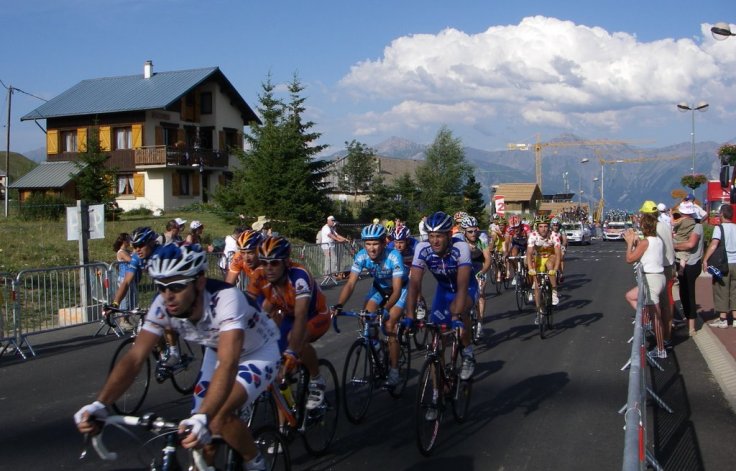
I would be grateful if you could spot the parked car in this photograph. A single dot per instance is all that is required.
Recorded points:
(614, 230)
(577, 233)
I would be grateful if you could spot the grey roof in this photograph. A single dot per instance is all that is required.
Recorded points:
(133, 93)
(47, 175)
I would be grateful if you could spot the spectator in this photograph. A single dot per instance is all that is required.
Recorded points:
(230, 249)
(122, 256)
(423, 234)
(196, 228)
(694, 248)
(171, 236)
(664, 213)
(724, 289)
(329, 237)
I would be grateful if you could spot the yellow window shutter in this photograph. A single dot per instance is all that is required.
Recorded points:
(105, 138)
(221, 138)
(138, 185)
(175, 186)
(82, 140)
(195, 183)
(52, 141)
(159, 136)
(137, 131)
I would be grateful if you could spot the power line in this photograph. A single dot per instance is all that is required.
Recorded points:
(30, 94)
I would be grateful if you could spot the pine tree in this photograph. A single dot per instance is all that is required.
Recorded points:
(95, 182)
(443, 174)
(357, 173)
(473, 199)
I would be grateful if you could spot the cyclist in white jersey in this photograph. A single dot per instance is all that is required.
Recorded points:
(241, 357)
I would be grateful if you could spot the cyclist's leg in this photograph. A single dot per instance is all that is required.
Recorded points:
(550, 265)
(394, 315)
(540, 264)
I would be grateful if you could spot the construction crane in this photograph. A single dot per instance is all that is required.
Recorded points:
(598, 214)
(538, 146)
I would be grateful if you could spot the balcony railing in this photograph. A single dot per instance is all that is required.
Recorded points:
(129, 159)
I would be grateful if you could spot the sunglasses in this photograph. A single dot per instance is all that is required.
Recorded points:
(474, 231)
(174, 286)
(272, 263)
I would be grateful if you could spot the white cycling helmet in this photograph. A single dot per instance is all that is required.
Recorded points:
(173, 260)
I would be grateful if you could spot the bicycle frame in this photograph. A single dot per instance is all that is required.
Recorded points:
(369, 325)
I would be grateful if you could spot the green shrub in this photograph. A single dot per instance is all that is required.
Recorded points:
(140, 211)
(41, 206)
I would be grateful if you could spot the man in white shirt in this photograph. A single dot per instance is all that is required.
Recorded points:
(231, 248)
(423, 234)
(329, 237)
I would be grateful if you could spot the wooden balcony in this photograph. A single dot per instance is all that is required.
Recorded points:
(127, 160)
(122, 159)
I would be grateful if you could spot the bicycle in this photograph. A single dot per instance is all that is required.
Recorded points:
(268, 440)
(498, 269)
(284, 404)
(544, 313)
(521, 285)
(440, 383)
(420, 334)
(183, 375)
(367, 363)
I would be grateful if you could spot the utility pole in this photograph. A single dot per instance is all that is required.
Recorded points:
(7, 152)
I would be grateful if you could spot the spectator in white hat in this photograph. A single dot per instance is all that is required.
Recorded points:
(664, 214)
(690, 250)
(171, 235)
(328, 237)
(196, 229)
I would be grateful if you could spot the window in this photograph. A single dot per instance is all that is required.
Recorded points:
(206, 103)
(231, 139)
(69, 141)
(123, 138)
(125, 184)
(184, 183)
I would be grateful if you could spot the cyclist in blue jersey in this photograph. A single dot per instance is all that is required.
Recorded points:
(389, 287)
(405, 244)
(448, 259)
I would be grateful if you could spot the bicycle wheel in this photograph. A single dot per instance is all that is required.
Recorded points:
(474, 326)
(520, 294)
(420, 338)
(263, 411)
(184, 376)
(133, 397)
(321, 423)
(493, 271)
(497, 271)
(460, 392)
(357, 381)
(428, 409)
(541, 314)
(549, 309)
(505, 278)
(404, 365)
(272, 445)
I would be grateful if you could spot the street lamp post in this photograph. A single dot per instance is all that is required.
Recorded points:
(580, 182)
(721, 31)
(699, 107)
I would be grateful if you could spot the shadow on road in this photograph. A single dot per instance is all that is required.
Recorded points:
(675, 441)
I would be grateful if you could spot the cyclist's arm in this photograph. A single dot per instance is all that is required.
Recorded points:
(123, 288)
(125, 371)
(530, 253)
(229, 347)
(415, 283)
(460, 302)
(232, 277)
(298, 336)
(487, 260)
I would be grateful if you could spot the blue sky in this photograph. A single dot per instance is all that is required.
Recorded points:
(494, 72)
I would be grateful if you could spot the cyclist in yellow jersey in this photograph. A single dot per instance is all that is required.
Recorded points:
(543, 254)
(498, 243)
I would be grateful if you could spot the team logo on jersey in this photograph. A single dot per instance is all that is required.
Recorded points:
(201, 388)
(160, 313)
(213, 303)
(250, 374)
(253, 321)
(301, 285)
(269, 373)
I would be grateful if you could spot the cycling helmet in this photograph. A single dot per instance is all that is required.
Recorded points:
(439, 222)
(502, 222)
(389, 225)
(373, 232)
(141, 235)
(250, 240)
(468, 221)
(175, 260)
(274, 248)
(459, 216)
(401, 233)
(514, 221)
(555, 221)
(542, 220)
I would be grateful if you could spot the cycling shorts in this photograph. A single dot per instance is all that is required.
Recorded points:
(540, 263)
(317, 326)
(440, 313)
(255, 372)
(376, 296)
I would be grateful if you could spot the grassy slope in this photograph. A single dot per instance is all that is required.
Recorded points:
(19, 165)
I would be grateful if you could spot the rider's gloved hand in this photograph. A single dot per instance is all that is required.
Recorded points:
(84, 417)
(291, 359)
(336, 309)
(199, 432)
(532, 272)
(552, 273)
(408, 324)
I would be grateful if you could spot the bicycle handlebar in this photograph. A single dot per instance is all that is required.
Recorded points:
(365, 315)
(147, 421)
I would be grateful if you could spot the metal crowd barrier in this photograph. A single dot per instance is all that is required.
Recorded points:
(325, 263)
(7, 326)
(637, 455)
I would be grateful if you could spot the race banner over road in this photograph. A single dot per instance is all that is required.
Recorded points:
(500, 204)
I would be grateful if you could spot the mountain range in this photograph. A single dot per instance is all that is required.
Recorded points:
(630, 174)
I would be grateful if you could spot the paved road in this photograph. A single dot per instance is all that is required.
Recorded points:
(537, 404)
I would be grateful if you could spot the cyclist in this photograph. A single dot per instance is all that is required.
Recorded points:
(543, 255)
(480, 255)
(457, 217)
(498, 244)
(516, 241)
(556, 228)
(294, 300)
(386, 266)
(448, 259)
(241, 354)
(405, 244)
(245, 260)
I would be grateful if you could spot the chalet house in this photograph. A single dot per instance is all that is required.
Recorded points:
(387, 168)
(520, 198)
(169, 135)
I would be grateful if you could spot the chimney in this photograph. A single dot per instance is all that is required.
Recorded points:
(148, 69)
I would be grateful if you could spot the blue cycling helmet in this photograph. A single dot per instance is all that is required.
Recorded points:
(141, 235)
(373, 232)
(274, 248)
(439, 222)
(175, 260)
(401, 233)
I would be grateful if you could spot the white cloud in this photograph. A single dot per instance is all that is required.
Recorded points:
(541, 72)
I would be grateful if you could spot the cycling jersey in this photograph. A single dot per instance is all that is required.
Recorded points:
(136, 265)
(543, 247)
(237, 265)
(476, 255)
(499, 237)
(519, 240)
(408, 253)
(384, 271)
(225, 308)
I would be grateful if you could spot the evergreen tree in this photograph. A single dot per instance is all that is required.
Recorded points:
(359, 168)
(443, 175)
(473, 199)
(95, 182)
